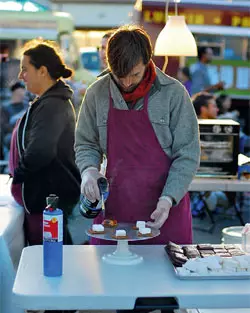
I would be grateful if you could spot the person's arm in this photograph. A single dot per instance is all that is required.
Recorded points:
(185, 146)
(48, 123)
(87, 146)
(213, 88)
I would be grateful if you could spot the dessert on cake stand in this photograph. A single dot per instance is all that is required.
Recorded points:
(123, 255)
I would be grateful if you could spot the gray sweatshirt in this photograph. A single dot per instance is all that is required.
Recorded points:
(173, 119)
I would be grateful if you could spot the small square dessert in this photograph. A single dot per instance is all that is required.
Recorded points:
(120, 234)
(139, 224)
(230, 246)
(109, 223)
(218, 246)
(145, 232)
(204, 246)
(175, 249)
(190, 248)
(97, 229)
(173, 245)
(220, 250)
(207, 252)
(236, 252)
(177, 259)
(224, 255)
(191, 252)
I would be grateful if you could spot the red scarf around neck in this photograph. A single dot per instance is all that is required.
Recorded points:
(143, 88)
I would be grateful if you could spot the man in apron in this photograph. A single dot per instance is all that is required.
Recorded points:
(144, 122)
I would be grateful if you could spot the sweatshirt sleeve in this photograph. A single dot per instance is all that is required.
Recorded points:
(87, 146)
(47, 125)
(185, 146)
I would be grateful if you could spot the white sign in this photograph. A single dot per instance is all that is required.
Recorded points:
(242, 77)
(227, 75)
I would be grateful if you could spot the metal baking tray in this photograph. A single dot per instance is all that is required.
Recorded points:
(195, 276)
(236, 275)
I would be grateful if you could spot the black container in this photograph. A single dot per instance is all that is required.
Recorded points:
(219, 140)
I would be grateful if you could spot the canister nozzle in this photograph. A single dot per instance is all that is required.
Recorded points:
(52, 201)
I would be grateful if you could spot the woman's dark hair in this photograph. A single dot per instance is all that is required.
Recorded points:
(201, 52)
(200, 100)
(219, 101)
(46, 54)
(185, 70)
(128, 46)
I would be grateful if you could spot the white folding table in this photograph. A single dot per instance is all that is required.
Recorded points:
(226, 185)
(89, 283)
(216, 184)
(11, 245)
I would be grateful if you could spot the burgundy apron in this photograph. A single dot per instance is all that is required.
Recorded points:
(137, 171)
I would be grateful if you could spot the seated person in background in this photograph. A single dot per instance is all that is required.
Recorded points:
(205, 105)
(184, 77)
(12, 112)
(224, 104)
(102, 50)
(206, 108)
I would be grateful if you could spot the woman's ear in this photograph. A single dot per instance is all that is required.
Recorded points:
(43, 71)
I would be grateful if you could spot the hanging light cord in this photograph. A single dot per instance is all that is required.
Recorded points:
(176, 7)
(166, 10)
(166, 18)
(165, 64)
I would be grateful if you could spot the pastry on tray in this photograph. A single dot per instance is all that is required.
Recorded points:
(120, 234)
(109, 223)
(97, 229)
(145, 232)
(191, 252)
(208, 259)
(204, 246)
(139, 224)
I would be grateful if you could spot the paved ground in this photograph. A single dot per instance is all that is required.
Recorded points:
(215, 236)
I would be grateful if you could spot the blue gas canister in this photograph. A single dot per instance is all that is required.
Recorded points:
(52, 238)
(89, 209)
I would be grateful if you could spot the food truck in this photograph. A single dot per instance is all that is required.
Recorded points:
(222, 25)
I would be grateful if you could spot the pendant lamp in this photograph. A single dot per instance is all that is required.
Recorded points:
(175, 39)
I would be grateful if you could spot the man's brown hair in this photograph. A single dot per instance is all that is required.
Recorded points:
(128, 46)
(200, 100)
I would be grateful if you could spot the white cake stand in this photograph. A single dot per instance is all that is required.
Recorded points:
(123, 255)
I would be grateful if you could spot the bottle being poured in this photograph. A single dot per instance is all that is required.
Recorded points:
(89, 209)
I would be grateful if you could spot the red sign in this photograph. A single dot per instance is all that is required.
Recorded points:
(196, 16)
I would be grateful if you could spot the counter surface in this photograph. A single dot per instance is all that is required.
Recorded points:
(88, 283)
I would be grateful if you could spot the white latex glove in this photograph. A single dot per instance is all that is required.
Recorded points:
(160, 214)
(89, 187)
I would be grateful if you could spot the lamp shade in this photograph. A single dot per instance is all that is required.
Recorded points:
(175, 39)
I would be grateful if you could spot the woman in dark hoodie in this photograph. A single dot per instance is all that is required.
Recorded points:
(42, 158)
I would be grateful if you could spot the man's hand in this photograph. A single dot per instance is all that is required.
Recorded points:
(219, 86)
(160, 214)
(89, 187)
